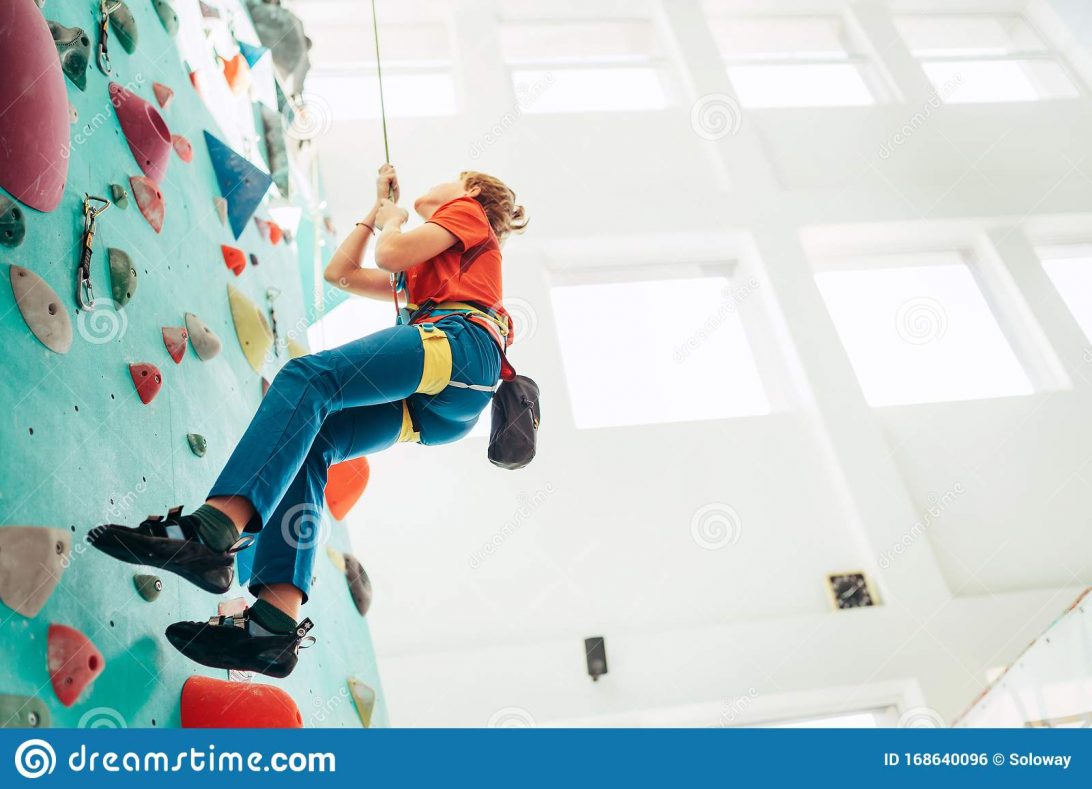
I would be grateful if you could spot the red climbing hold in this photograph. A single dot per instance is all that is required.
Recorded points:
(163, 94)
(35, 117)
(198, 82)
(275, 233)
(145, 130)
(74, 662)
(217, 704)
(149, 201)
(182, 147)
(147, 379)
(234, 259)
(237, 74)
(177, 340)
(345, 484)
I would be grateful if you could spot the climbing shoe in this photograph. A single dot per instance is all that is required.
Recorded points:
(178, 544)
(239, 643)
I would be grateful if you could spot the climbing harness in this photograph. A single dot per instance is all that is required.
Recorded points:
(106, 9)
(271, 295)
(85, 292)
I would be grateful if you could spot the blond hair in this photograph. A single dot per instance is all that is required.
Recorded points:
(504, 213)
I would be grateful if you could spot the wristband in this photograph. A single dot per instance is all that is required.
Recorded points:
(365, 224)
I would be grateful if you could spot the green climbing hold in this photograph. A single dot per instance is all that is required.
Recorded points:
(124, 26)
(13, 224)
(74, 47)
(167, 15)
(148, 586)
(23, 712)
(123, 276)
(198, 445)
(120, 195)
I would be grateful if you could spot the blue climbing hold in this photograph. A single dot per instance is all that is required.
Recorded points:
(241, 183)
(252, 53)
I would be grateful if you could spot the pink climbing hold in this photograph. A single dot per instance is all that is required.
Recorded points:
(176, 339)
(149, 201)
(182, 147)
(148, 381)
(35, 117)
(73, 662)
(163, 94)
(145, 130)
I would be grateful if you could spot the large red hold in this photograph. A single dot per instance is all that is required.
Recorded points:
(145, 130)
(34, 112)
(148, 381)
(345, 483)
(74, 662)
(234, 259)
(216, 704)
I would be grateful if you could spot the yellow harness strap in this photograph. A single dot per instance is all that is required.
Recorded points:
(407, 434)
(436, 373)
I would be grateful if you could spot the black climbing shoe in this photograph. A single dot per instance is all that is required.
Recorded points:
(237, 643)
(171, 544)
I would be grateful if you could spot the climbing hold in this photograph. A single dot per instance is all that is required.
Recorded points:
(345, 483)
(207, 11)
(283, 32)
(217, 704)
(175, 338)
(73, 662)
(167, 15)
(42, 309)
(204, 341)
(23, 712)
(364, 699)
(198, 445)
(360, 587)
(147, 379)
(275, 233)
(253, 259)
(149, 200)
(123, 276)
(252, 53)
(241, 183)
(148, 586)
(337, 558)
(74, 47)
(221, 209)
(251, 327)
(182, 147)
(145, 130)
(120, 195)
(296, 349)
(34, 123)
(163, 94)
(234, 259)
(263, 227)
(124, 26)
(237, 74)
(265, 386)
(197, 81)
(32, 561)
(13, 226)
(276, 151)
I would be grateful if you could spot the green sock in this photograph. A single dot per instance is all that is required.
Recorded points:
(269, 617)
(214, 527)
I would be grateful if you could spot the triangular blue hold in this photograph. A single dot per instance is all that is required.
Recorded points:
(252, 53)
(241, 183)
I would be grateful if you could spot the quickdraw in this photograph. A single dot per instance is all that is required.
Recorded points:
(106, 9)
(271, 296)
(85, 292)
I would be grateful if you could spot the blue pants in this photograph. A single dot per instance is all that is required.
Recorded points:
(337, 405)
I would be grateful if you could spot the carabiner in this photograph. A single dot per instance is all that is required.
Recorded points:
(104, 35)
(85, 292)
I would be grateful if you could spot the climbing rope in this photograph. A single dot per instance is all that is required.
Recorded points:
(382, 103)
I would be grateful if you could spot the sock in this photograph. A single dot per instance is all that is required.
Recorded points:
(271, 619)
(214, 528)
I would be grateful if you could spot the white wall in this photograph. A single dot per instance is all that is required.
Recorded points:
(825, 483)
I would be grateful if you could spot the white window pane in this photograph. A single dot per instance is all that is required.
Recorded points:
(356, 95)
(656, 361)
(1071, 273)
(962, 82)
(591, 89)
(950, 35)
(348, 321)
(921, 334)
(807, 37)
(403, 45)
(824, 85)
(579, 42)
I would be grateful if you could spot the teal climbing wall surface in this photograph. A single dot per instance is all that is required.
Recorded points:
(78, 446)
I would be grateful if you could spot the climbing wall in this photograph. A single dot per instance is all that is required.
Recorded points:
(80, 447)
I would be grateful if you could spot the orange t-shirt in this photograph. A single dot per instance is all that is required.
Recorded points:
(450, 276)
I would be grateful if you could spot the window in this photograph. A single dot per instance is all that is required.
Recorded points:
(978, 58)
(598, 66)
(886, 717)
(793, 61)
(417, 77)
(1070, 269)
(921, 333)
(348, 321)
(676, 352)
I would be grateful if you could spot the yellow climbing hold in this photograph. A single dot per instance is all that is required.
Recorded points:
(251, 327)
(296, 349)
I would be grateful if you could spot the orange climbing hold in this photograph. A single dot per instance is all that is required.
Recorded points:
(237, 74)
(177, 340)
(182, 147)
(163, 94)
(217, 704)
(149, 201)
(345, 485)
(234, 259)
(73, 662)
(148, 381)
(275, 233)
